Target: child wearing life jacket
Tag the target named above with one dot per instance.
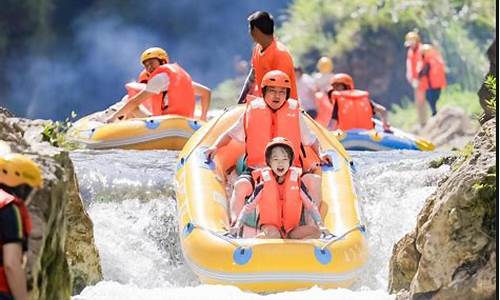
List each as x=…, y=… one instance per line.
x=280, y=197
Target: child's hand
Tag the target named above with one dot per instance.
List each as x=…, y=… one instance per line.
x=387, y=127
x=235, y=229
x=325, y=159
x=210, y=152
x=324, y=231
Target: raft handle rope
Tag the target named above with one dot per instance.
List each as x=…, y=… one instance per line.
x=226, y=237
x=358, y=226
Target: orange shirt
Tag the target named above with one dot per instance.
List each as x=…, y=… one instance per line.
x=275, y=57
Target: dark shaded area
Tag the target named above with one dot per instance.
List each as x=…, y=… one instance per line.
x=377, y=66
x=57, y=56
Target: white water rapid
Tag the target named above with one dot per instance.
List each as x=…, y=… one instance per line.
x=130, y=199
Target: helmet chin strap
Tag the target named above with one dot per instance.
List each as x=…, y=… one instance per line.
x=30, y=197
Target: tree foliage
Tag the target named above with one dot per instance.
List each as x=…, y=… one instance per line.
x=462, y=29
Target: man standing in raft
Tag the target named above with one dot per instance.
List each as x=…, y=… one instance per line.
x=169, y=87
x=268, y=54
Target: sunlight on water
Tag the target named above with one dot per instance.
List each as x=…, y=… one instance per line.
x=129, y=198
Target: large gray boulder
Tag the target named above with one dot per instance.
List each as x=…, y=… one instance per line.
x=451, y=254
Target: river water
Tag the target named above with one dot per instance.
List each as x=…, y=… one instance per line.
x=130, y=198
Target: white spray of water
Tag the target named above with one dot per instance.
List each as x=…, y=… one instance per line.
x=136, y=227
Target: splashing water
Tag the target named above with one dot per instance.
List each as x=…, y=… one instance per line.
x=130, y=199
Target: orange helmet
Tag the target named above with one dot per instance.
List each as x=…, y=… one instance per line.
x=276, y=78
x=344, y=79
x=281, y=141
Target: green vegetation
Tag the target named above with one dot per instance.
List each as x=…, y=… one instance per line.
x=404, y=115
x=55, y=133
x=226, y=94
x=460, y=28
x=491, y=84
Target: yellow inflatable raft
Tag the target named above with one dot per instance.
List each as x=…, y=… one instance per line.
x=265, y=265
x=161, y=132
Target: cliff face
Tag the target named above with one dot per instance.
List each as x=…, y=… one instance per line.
x=62, y=257
x=451, y=254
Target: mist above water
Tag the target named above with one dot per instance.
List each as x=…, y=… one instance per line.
x=94, y=50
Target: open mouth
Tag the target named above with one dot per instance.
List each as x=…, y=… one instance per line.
x=280, y=170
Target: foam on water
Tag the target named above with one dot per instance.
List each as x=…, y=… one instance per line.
x=129, y=198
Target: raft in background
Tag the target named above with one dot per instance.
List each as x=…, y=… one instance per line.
x=265, y=265
x=378, y=140
x=169, y=132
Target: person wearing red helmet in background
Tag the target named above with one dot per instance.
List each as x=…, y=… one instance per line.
x=350, y=108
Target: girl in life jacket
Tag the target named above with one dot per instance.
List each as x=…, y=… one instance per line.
x=280, y=198
x=350, y=108
x=19, y=177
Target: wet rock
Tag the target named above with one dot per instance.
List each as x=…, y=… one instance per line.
x=62, y=257
x=451, y=254
x=449, y=128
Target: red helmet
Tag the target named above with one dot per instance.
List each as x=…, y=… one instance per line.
x=344, y=79
x=276, y=78
x=282, y=142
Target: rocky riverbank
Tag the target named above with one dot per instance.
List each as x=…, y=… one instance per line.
x=62, y=257
x=451, y=253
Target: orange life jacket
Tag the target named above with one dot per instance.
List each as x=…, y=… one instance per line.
x=5, y=199
x=436, y=78
x=280, y=205
x=180, y=92
x=325, y=109
x=262, y=124
x=143, y=77
x=354, y=109
x=414, y=65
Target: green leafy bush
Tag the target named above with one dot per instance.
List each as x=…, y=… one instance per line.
x=54, y=133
